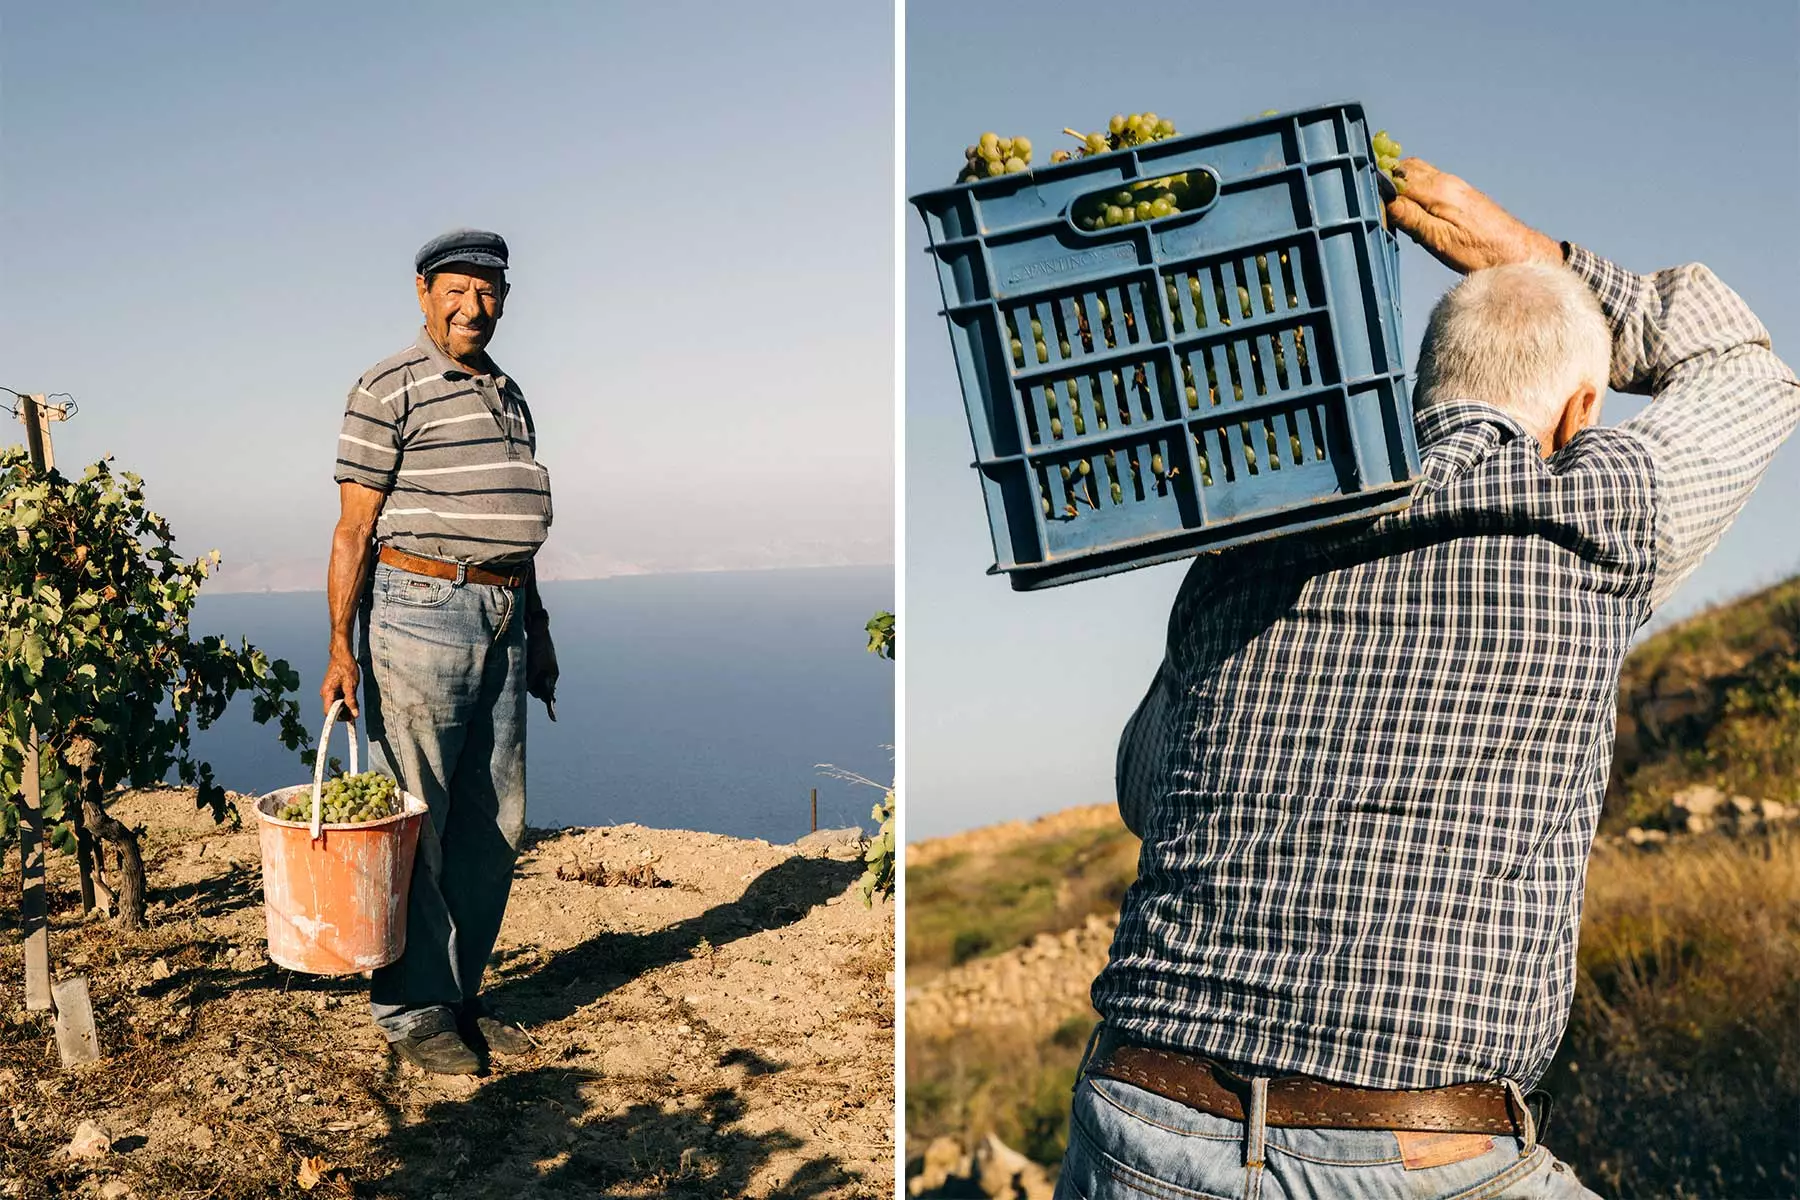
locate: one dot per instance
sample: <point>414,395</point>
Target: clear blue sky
<point>208,215</point>
<point>1654,133</point>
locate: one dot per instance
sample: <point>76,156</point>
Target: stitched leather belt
<point>1296,1101</point>
<point>438,569</point>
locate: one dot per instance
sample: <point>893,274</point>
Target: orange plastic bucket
<point>335,895</point>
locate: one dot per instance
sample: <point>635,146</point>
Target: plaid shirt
<point>1368,771</point>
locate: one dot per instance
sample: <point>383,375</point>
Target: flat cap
<point>475,247</point>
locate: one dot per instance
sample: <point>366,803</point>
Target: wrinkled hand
<point>540,663</point>
<point>341,678</point>
<point>1462,228</point>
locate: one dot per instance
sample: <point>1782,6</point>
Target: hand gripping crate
<point>1224,374</point>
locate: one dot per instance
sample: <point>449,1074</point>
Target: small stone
<point>684,1029</point>
<point>944,1160</point>
<point>1001,1171</point>
<point>117,1189</point>
<point>200,1138</point>
<point>1774,810</point>
<point>1699,800</point>
<point>159,969</point>
<point>90,1141</point>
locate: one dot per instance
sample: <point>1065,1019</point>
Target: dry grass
<point>1680,1072</point>
<point>998,1080</point>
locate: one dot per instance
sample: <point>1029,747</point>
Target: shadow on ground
<point>520,1137</point>
<point>576,977</point>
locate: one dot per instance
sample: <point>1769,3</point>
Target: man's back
<point>1368,774</point>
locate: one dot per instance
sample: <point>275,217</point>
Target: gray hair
<point>1523,338</point>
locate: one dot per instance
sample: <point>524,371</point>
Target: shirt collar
<point>446,366</point>
<point>1440,420</point>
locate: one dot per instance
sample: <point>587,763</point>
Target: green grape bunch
<point>1387,156</point>
<point>993,155</point>
<point>1138,129</point>
<point>349,800</point>
<point>1143,199</point>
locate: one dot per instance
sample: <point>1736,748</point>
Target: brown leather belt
<point>438,569</point>
<point>1296,1101</point>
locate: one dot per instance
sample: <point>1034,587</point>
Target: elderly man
<point>441,492</point>
<point>1368,771</point>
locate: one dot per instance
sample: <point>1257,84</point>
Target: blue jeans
<point>1127,1142</point>
<point>443,682</point>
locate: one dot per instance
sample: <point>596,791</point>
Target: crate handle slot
<point>1094,196</point>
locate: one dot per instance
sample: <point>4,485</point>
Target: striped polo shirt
<point>456,454</point>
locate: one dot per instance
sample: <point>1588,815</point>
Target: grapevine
<point>97,656</point>
<point>881,635</point>
<point>878,859</point>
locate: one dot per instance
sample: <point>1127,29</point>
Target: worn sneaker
<point>441,1053</point>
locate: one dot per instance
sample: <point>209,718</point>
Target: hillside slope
<point>1714,699</point>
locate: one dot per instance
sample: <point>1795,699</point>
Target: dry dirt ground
<point>730,1035</point>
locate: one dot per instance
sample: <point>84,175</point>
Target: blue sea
<point>696,701</point>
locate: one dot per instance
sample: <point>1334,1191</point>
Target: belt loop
<point>462,573</point>
<point>1256,1121</point>
<point>1087,1053</point>
<point>1523,1118</point>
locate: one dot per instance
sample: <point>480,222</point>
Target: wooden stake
<point>815,798</point>
<point>37,417</point>
<point>77,1041</point>
<point>84,855</point>
<point>32,909</point>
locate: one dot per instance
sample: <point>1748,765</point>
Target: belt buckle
<point>462,573</point>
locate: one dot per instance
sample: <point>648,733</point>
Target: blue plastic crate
<point>1277,303</point>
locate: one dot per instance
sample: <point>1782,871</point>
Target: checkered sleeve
<point>368,449</point>
<point>1723,403</point>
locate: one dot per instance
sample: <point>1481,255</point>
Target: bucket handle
<point>319,761</point>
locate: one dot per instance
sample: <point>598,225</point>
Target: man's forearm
<point>352,550</point>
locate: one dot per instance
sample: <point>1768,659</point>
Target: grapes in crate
<point>1387,155</point>
<point>349,800</point>
<point>995,155</point>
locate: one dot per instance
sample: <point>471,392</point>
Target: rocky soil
<point>730,1035</point>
